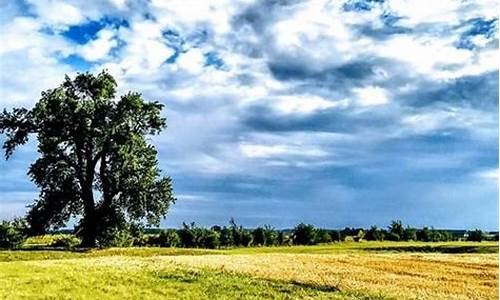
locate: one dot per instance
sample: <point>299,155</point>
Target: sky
<point>334,113</point>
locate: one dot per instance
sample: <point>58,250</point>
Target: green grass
<point>140,273</point>
<point>141,278</point>
<point>441,247</point>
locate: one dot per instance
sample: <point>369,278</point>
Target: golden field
<point>403,276</point>
<point>336,271</point>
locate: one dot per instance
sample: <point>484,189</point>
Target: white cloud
<point>371,95</point>
<point>100,47</point>
<point>57,13</point>
<point>445,118</point>
<point>490,174</point>
<point>144,51</point>
<point>302,104</point>
<point>267,151</point>
<point>192,61</point>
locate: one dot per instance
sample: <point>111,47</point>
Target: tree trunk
<point>89,226</point>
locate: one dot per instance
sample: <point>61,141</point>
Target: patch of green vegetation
<point>46,253</point>
<point>141,278</point>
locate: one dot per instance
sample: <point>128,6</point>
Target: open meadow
<point>366,270</point>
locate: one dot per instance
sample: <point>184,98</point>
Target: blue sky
<point>336,113</point>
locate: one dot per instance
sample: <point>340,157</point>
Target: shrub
<point>245,237</point>
<point>304,234</point>
<point>65,241</point>
<point>258,237</point>
<point>335,234</point>
<point>241,236</point>
<point>396,229</point>
<point>281,239</point>
<point>209,239</point>
<point>168,238</point>
<point>226,237</point>
<point>322,236</point>
<point>375,234</point>
<point>409,234</point>
<point>425,234</point>
<point>391,236</point>
<point>271,235</point>
<point>118,238</point>
<point>475,235</point>
<point>12,234</point>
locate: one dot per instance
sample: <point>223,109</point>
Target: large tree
<point>95,160</point>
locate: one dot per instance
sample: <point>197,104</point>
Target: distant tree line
<point>12,234</point>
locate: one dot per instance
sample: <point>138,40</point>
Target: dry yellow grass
<point>402,276</point>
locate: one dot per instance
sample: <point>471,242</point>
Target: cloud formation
<point>331,112</point>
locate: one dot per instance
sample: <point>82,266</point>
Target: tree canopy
<point>95,160</point>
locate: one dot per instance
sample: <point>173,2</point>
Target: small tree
<point>476,235</point>
<point>410,234</point>
<point>209,239</point>
<point>396,228</point>
<point>12,234</point>
<point>322,236</point>
<point>188,235</point>
<point>425,234</point>
<point>304,234</point>
<point>271,235</point>
<point>375,234</point>
<point>169,238</point>
<point>258,237</point>
<point>226,237</point>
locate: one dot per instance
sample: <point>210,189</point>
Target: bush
<point>188,235</point>
<point>65,241</point>
<point>281,239</point>
<point>396,229</point>
<point>304,234</point>
<point>118,238</point>
<point>258,237</point>
<point>168,238</point>
<point>209,239</point>
<point>375,234</point>
<point>241,236</point>
<point>226,237</point>
<point>322,236</point>
<point>475,235</point>
<point>271,235</point>
<point>391,236</point>
<point>425,234</point>
<point>410,234</point>
<point>335,234</point>
<point>12,234</point>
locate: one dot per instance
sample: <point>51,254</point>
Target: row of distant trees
<point>234,235</point>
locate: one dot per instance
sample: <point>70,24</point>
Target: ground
<point>369,270</point>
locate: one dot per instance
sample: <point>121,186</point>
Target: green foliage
<point>241,236</point>
<point>12,234</point>
<point>169,238</point>
<point>209,239</point>
<point>396,229</point>
<point>271,235</point>
<point>410,234</point>
<point>226,237</point>
<point>258,237</point>
<point>335,234</point>
<point>375,234</point>
<point>476,235</point>
<point>322,236</point>
<point>304,234</point>
<point>65,241</point>
<point>89,140</point>
<point>282,239</point>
